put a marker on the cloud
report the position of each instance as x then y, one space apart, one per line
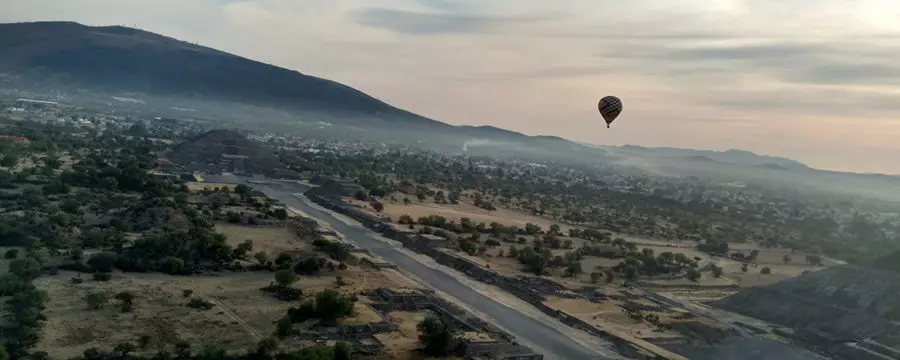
421 23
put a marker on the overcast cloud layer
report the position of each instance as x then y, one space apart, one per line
817 81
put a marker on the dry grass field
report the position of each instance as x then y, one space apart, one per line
242 314
271 240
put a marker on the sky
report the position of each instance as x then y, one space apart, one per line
816 81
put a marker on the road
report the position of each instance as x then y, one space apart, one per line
550 342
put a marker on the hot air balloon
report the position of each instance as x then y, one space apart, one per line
610 107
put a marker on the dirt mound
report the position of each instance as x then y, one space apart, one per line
227 151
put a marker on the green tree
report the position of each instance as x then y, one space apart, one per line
694 274
11 254
96 300
242 249
717 271
9 160
787 258
765 271
261 257
103 262
171 265
610 275
574 269
27 268
342 351
285 277
331 305
379 207
436 336
596 276
631 272
284 327
280 214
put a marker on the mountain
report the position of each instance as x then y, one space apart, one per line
121 60
729 156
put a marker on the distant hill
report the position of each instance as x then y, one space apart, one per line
729 156
121 59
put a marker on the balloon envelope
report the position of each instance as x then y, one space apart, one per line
610 107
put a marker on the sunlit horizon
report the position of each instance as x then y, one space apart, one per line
811 81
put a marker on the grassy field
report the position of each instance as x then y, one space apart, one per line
242 314
463 209
271 240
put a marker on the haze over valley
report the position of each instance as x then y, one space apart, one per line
161 199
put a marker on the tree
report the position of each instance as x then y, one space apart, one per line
77 254
280 214
361 195
765 271
70 206
596 276
436 336
341 351
103 262
96 300
11 254
753 255
610 275
787 258
554 230
242 189
27 268
717 271
694 274
242 249
261 257
127 299
331 305
284 327
171 265
285 277
379 207
9 160
744 267
574 269
631 272
4 355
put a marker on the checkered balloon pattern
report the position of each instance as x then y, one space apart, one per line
610 107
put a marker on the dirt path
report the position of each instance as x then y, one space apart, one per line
250 330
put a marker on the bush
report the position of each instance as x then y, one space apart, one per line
96 300
436 336
171 265
765 271
285 277
694 275
102 276
330 305
198 303
103 262
11 254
